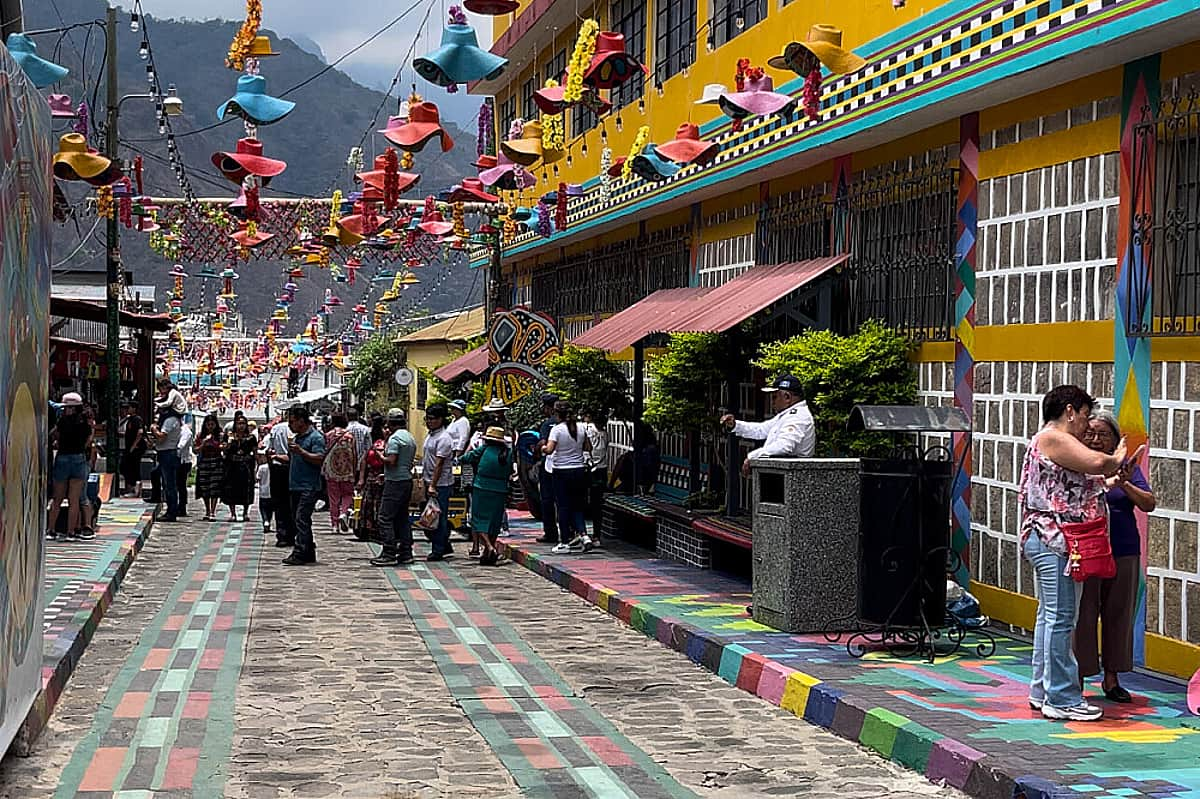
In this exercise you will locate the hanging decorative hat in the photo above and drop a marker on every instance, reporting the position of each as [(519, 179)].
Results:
[(649, 165), (421, 125), (471, 190), (435, 225), (252, 103), (759, 99), (60, 106), (712, 94), (261, 48), (688, 148), (617, 166), (528, 148), (251, 235), (484, 162), (177, 271), (247, 159), (459, 59), (549, 100), (491, 8), (40, 72), (824, 45), (337, 234), (575, 190), (611, 65), (375, 177), (76, 161), (503, 175)]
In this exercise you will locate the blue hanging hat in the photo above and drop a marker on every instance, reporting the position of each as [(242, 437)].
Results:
[(649, 165), (42, 72), (459, 59), (252, 102)]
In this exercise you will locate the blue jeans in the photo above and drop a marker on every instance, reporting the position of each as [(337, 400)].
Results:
[(303, 502), (1055, 672), (570, 499), (546, 492), (441, 536), (168, 470)]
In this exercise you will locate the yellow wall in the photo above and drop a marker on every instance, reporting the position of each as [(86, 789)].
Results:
[(424, 355)]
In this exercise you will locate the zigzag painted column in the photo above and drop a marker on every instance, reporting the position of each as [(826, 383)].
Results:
[(1131, 356), (964, 336)]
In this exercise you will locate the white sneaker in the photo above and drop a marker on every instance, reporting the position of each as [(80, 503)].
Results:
[(266, 527), (1081, 712), (587, 544), (1035, 704), (561, 549)]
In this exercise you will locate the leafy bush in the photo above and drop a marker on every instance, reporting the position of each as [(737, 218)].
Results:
[(870, 367), (373, 368), (589, 381), (526, 413), (687, 383)]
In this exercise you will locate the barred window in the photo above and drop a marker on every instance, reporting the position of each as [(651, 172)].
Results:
[(508, 112), (582, 119), (794, 227), (675, 38), (555, 68), (529, 109), (726, 14), (629, 19)]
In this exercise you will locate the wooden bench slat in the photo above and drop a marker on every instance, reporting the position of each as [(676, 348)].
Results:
[(724, 530)]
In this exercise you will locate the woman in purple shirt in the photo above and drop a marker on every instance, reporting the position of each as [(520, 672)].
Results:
[(1113, 601)]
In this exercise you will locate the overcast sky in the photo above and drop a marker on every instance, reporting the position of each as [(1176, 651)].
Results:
[(339, 26)]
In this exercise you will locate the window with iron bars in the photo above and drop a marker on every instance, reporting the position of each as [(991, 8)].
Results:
[(529, 109), (902, 231), (629, 20), (508, 112), (674, 38), (794, 227), (555, 68), (1164, 294), (582, 119), (609, 279), (727, 14)]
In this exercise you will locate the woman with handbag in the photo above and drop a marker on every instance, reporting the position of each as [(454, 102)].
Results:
[(1059, 492), (492, 462), (370, 482), (340, 469), (1112, 601)]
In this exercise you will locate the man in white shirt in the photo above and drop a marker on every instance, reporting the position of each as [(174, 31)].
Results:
[(186, 458), (278, 460), (437, 472), (790, 433)]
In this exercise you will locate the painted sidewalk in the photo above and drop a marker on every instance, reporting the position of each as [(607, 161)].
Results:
[(964, 719), (81, 579)]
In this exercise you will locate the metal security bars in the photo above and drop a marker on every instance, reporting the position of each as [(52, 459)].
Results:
[(508, 112), (674, 38), (629, 20), (794, 227), (611, 278), (556, 68), (731, 17), (902, 230), (1162, 271), (528, 106)]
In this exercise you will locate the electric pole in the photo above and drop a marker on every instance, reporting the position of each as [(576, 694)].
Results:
[(112, 258)]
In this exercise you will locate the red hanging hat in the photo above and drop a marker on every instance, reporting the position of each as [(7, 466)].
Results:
[(550, 100), (471, 190), (688, 148), (491, 8), (246, 160), (433, 224), (242, 237), (423, 124), (374, 178), (611, 65), (617, 166), (484, 162)]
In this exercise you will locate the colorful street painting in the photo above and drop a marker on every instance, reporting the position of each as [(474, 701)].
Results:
[(520, 342)]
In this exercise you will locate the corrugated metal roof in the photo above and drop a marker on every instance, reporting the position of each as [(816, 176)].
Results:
[(653, 314), (473, 362), (750, 292), (459, 327)]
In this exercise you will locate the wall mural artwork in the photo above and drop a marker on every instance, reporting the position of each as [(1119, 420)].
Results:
[(25, 217), (520, 341)]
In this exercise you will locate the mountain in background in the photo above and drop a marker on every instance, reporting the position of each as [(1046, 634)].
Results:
[(332, 113), (309, 46)]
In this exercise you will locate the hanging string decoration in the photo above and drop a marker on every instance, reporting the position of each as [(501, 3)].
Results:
[(355, 160), (430, 206), (744, 72), (554, 132), (137, 174), (543, 221), (457, 217), (581, 58), (560, 207), (82, 116), (125, 204), (243, 41), (104, 202), (484, 143), (252, 202), (335, 208), (391, 179), (639, 143), (406, 160), (605, 178)]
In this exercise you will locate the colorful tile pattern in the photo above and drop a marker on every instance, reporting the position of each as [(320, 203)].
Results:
[(963, 719), (166, 722), (964, 336), (81, 579), (553, 742)]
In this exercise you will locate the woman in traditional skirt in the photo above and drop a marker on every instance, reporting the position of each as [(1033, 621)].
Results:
[(370, 483), (493, 463), (240, 451), (210, 465)]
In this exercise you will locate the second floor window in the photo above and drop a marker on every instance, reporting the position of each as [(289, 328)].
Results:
[(528, 107), (675, 38), (582, 119), (629, 19), (727, 13), (508, 112), (555, 68)]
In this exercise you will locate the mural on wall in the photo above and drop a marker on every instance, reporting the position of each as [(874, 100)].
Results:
[(25, 217), (520, 341)]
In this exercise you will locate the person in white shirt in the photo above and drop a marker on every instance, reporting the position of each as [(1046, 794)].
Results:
[(186, 459), (790, 433), (262, 475), (568, 446), (596, 427), (437, 472), (460, 427)]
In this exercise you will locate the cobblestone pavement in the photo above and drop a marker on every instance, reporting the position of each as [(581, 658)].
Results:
[(320, 681)]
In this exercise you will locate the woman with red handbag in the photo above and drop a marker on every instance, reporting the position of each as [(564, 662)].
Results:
[(1113, 600), (1057, 489)]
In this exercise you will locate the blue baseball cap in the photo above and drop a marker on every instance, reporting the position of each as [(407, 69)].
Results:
[(787, 383)]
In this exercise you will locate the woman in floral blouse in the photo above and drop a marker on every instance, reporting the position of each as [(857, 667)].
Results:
[(1060, 483)]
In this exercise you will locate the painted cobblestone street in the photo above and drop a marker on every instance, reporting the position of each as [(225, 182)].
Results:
[(219, 673)]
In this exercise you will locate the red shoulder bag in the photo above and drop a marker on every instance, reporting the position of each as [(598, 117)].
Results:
[(1089, 549)]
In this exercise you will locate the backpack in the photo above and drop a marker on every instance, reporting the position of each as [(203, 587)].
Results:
[(340, 465)]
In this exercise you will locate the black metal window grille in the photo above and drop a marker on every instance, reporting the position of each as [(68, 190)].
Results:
[(1164, 295), (611, 278), (674, 38), (793, 227), (582, 119), (629, 20), (902, 230), (508, 112), (555, 68), (528, 107), (727, 13)]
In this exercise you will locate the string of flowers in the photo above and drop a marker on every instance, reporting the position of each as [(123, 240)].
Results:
[(486, 130), (560, 208), (104, 202), (744, 72), (508, 226), (355, 160), (605, 178), (82, 114), (460, 226), (137, 174), (335, 208), (543, 221), (554, 132), (391, 179), (406, 160), (243, 41), (639, 143), (581, 58)]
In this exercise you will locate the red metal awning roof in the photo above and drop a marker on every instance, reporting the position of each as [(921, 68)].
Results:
[(473, 363), (654, 314), (97, 312), (757, 288)]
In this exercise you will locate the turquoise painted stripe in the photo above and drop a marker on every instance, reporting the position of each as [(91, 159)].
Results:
[(731, 662)]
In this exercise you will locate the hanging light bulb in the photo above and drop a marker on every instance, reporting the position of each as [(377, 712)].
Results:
[(556, 170), (710, 44), (740, 20), (150, 74), (659, 87), (144, 50), (583, 150), (162, 128), (545, 177), (618, 123), (133, 23), (569, 161), (686, 71), (641, 105), (604, 135)]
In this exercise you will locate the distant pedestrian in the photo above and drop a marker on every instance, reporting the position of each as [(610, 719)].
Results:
[(306, 454), (165, 435), (133, 430), (241, 452), (210, 465), (550, 533), (567, 447), (279, 459), (596, 427), (492, 462), (73, 435), (437, 471), (187, 458), (340, 471), (395, 525), (262, 476), (360, 431), (460, 426), (370, 482)]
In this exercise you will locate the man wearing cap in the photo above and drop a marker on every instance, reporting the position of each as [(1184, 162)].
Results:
[(395, 527), (437, 470), (790, 433), (545, 472)]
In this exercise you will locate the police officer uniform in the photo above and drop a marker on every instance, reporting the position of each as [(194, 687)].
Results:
[(791, 433)]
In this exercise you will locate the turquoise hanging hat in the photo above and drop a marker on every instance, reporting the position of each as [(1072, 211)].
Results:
[(649, 165), (42, 72), (459, 59), (251, 102)]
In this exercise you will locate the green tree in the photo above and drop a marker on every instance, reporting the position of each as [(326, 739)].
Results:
[(589, 381), (373, 366), (870, 367), (687, 382)]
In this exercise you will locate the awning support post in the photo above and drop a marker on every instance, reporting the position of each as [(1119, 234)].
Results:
[(639, 406)]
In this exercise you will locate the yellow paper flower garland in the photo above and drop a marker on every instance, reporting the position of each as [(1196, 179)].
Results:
[(554, 132), (239, 49), (335, 208), (639, 143), (581, 58)]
